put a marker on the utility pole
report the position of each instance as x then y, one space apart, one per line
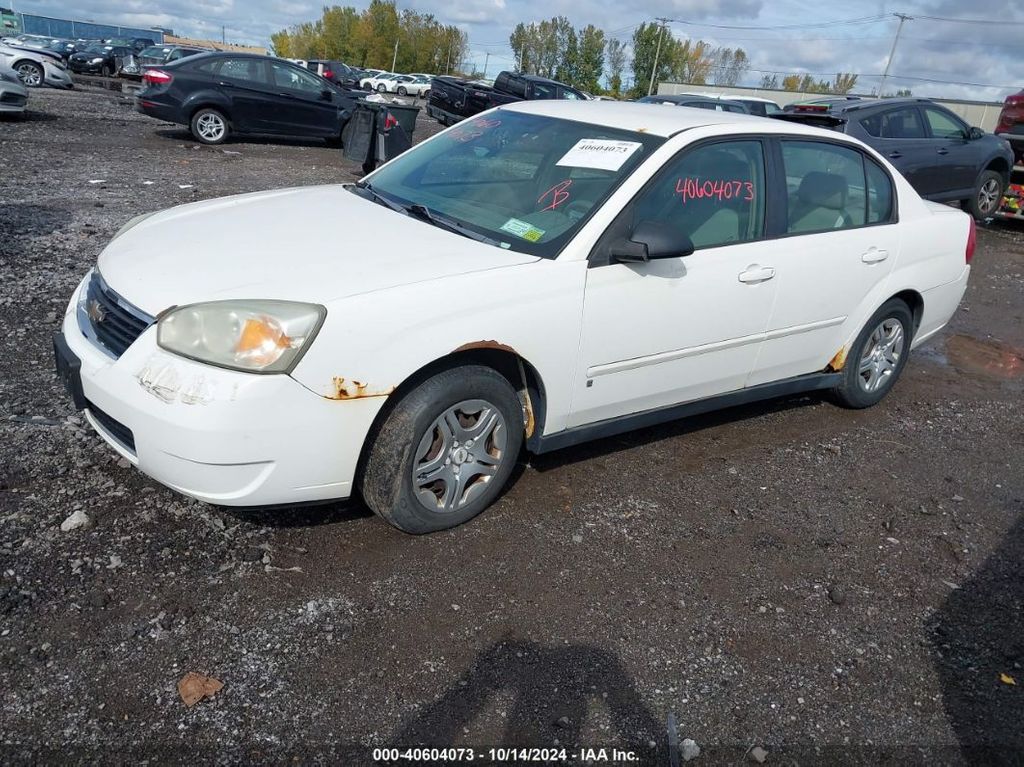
486 60
394 59
657 53
222 35
902 17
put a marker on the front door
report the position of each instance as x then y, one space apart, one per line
955 164
680 329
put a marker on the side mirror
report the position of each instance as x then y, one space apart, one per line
975 133
651 240
326 95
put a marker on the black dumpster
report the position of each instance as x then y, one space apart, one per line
377 131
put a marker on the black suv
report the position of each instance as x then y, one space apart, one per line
217 94
941 156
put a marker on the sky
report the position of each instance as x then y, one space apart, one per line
973 51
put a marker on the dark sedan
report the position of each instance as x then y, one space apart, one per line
697 102
98 60
942 157
219 94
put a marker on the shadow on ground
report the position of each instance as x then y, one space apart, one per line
977 639
549 692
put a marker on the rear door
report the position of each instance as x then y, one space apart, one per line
839 241
900 136
955 167
306 104
244 82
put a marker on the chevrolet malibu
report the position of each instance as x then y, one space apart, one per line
543 274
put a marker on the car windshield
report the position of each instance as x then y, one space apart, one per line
155 52
527 182
98 49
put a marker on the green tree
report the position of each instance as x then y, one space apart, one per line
728 65
645 48
615 55
590 58
844 82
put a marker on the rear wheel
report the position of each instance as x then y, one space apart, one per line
30 73
382 88
988 195
402 91
445 451
209 126
106 70
878 356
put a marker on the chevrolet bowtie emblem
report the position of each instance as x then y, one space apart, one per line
95 311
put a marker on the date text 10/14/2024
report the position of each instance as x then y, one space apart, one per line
505 755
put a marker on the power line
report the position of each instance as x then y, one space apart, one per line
990 22
818 25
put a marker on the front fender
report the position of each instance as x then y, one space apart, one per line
371 343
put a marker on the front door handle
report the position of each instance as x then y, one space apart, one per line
756 273
895 155
942 150
874 255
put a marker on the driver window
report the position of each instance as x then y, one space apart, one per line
713 194
294 78
943 125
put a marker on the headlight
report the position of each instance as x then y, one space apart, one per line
262 336
97 61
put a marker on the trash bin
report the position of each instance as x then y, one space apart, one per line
377 132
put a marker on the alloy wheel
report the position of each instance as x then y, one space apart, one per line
210 127
458 455
988 196
882 354
30 74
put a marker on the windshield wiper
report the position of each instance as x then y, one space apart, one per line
423 213
378 197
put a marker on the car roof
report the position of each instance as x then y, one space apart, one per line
656 119
864 104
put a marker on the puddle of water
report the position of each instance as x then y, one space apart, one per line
992 359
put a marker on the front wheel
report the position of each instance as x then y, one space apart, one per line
878 356
209 126
106 71
988 195
382 88
31 74
445 451
402 91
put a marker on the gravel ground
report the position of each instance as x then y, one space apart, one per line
788 581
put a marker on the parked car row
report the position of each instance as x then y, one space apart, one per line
64 48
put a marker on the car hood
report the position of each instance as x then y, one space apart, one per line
314 244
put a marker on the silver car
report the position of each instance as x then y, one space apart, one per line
35 69
13 95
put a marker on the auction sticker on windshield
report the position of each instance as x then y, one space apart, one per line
522 229
599 153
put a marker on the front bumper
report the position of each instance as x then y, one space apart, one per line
221 436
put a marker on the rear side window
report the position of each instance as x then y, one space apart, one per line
713 194
880 194
825 187
896 123
247 70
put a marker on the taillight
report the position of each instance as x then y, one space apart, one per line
972 242
390 122
157 77
328 74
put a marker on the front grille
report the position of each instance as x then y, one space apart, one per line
115 429
114 323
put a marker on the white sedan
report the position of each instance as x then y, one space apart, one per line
543 274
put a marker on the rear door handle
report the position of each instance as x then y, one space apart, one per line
755 273
942 150
895 155
874 255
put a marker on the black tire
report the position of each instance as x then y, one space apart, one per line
856 390
402 91
387 482
382 88
106 71
201 133
988 195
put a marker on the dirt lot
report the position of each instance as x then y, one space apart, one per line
825 585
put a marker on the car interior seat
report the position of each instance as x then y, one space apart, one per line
820 203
